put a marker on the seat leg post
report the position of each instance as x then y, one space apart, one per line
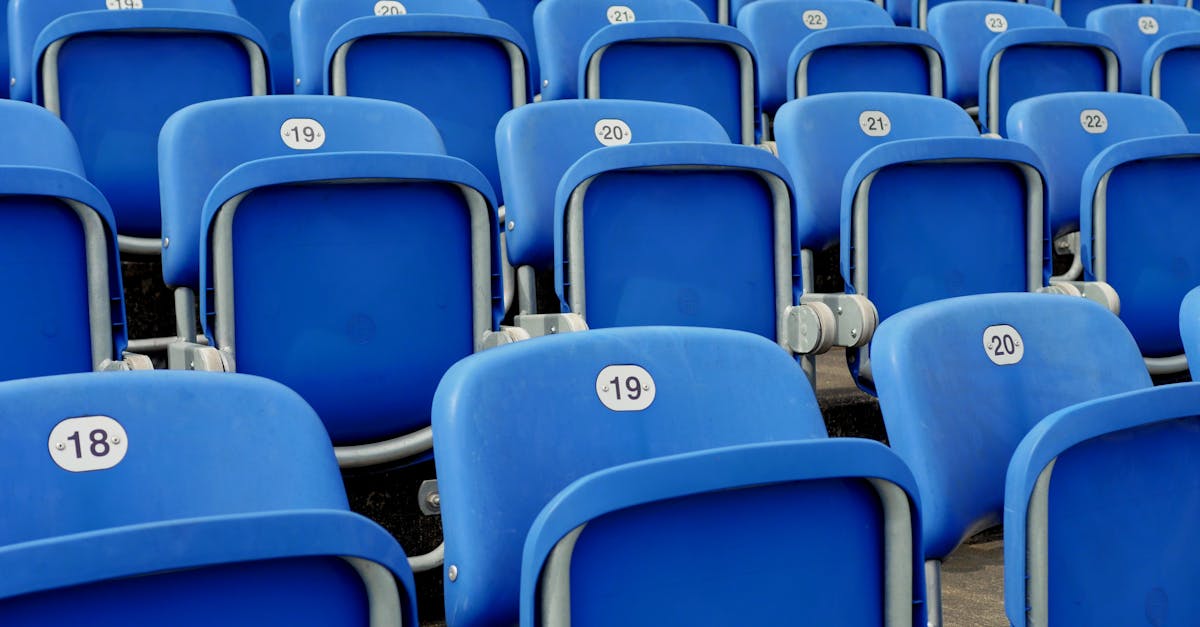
933 593
185 317
526 291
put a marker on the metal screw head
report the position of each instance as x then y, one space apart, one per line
60 446
511 225
545 82
452 572
853 332
12 81
603 389
116 439
434 499
553 330
166 242
297 81
839 310
646 387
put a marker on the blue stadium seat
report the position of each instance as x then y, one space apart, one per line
1100 510
183 499
965 27
271 18
445 58
1134 28
716 10
921 9
704 412
1168 73
1075 12
1135 190
519 15
1027 62
824 46
59 260
921 205
962 381
660 50
380 263
168 55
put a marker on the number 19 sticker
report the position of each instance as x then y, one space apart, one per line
1003 345
88 443
625 388
302 134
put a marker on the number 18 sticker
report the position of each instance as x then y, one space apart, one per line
1003 345
625 388
88 443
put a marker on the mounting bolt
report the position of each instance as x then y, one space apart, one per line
60 446
452 572
511 225
166 242
434 500
646 387
553 330
603 389
116 440
853 332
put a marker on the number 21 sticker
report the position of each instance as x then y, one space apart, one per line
88 443
625 388
1003 345
875 123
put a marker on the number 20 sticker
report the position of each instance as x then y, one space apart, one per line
390 7
1003 345
88 443
121 5
625 388
613 132
302 134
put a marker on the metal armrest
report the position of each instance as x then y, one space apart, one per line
822 321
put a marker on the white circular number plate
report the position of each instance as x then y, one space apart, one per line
625 388
1093 121
995 22
88 443
1003 345
613 132
1148 25
302 134
390 7
815 20
620 14
875 123
119 5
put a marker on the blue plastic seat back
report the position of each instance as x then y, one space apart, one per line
177 52
43 255
776 28
519 15
658 50
962 381
1134 28
820 137
736 6
504 451
921 8
202 144
677 526
271 17
538 143
1030 62
563 27
644 262
451 63
712 8
1067 133
168 473
1123 474
1189 329
964 28
1167 71
1075 12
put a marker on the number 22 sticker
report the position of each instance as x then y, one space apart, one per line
625 388
1003 345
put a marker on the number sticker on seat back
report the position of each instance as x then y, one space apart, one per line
613 132
121 5
302 134
625 388
88 443
995 22
1148 25
1003 345
815 19
1093 121
390 7
875 123
620 14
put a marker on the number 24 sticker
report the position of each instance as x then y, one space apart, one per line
625 388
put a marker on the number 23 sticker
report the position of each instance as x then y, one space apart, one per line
625 388
1003 345
88 443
